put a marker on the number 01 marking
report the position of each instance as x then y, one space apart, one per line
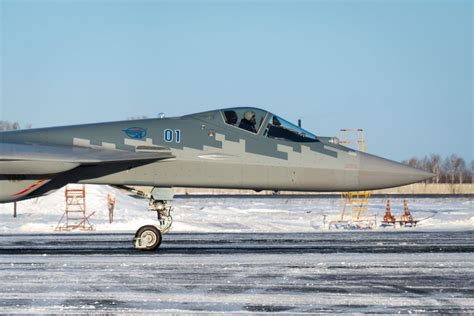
169 135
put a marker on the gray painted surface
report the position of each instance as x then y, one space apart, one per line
199 150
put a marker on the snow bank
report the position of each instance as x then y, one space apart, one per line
226 214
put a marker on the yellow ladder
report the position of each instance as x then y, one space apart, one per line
357 201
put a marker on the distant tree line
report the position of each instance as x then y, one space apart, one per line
11 126
451 169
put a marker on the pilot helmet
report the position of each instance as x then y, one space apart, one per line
249 115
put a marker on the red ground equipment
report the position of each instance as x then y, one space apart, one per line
406 219
388 217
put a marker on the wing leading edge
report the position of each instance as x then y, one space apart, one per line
35 159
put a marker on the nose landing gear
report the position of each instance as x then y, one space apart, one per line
149 237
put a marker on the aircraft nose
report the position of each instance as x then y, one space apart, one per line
377 173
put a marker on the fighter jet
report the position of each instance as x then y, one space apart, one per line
235 148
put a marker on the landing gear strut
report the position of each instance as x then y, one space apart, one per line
148 237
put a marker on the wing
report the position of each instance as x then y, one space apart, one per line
25 159
32 170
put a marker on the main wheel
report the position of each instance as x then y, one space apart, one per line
147 238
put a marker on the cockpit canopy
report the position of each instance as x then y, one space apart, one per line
252 120
249 119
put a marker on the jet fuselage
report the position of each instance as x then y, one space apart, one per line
208 150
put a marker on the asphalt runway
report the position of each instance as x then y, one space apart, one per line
345 272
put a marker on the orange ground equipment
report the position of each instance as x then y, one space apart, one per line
388 217
406 219
75 216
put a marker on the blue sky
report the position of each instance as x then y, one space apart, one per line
402 70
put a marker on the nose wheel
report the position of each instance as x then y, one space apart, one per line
147 238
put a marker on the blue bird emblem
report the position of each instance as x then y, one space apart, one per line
135 132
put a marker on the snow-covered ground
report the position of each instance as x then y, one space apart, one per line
316 273
228 214
237 255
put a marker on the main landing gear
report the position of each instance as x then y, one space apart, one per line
148 237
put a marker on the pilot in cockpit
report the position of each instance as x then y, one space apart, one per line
248 122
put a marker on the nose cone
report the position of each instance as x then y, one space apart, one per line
378 173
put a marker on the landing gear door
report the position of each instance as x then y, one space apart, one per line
162 194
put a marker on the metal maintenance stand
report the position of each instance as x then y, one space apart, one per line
75 215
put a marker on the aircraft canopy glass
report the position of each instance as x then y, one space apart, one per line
249 119
252 119
279 128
